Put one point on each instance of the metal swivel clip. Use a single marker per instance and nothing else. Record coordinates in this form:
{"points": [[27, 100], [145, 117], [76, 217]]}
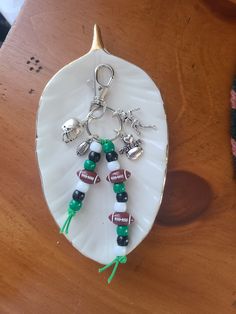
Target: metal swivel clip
{"points": [[103, 77]]}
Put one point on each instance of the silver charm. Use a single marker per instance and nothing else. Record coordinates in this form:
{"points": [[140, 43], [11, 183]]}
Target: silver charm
{"points": [[132, 147], [83, 147], [72, 128], [135, 123], [134, 153]]}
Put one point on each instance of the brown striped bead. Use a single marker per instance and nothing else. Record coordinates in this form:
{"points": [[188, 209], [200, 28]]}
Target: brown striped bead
{"points": [[118, 176], [121, 218], [89, 177]]}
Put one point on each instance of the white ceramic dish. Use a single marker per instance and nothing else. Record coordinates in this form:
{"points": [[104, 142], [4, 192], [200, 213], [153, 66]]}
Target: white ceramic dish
{"points": [[68, 95]]}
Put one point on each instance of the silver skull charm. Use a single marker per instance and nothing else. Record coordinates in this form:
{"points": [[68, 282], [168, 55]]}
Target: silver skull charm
{"points": [[132, 147], [72, 128]]}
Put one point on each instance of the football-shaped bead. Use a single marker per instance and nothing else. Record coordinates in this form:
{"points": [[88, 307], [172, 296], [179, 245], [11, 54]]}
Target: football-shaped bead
{"points": [[89, 177], [121, 218], [118, 176]]}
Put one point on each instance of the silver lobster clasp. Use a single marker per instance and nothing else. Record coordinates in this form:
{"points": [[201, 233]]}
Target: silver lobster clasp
{"points": [[104, 75]]}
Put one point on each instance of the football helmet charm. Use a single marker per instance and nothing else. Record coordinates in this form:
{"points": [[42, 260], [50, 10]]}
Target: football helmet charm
{"points": [[72, 128]]}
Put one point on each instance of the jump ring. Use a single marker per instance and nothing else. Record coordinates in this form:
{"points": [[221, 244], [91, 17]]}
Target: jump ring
{"points": [[97, 137]]}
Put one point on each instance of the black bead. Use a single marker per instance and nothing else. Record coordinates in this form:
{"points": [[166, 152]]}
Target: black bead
{"points": [[122, 197], [94, 156], [111, 156], [78, 196], [122, 241]]}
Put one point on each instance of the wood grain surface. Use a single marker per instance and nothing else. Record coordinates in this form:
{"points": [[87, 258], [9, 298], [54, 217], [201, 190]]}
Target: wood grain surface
{"points": [[187, 264]]}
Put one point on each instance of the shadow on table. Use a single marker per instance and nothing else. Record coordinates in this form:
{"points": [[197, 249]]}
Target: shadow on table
{"points": [[185, 198]]}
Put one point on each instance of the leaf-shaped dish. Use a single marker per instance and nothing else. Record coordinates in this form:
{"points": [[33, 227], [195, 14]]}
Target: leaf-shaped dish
{"points": [[68, 95]]}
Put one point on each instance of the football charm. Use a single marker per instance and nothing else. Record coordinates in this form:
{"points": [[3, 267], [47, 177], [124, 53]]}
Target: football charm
{"points": [[121, 218], [89, 177], [118, 176]]}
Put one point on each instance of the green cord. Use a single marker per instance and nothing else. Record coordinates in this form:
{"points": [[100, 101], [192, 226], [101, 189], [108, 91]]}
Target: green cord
{"points": [[116, 261], [66, 225]]}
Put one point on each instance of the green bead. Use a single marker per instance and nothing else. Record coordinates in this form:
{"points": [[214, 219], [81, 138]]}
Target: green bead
{"points": [[75, 205], [108, 146], [122, 230], [89, 165], [119, 187]]}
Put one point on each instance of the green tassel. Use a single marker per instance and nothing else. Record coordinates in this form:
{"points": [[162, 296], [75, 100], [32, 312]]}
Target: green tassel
{"points": [[116, 261], [66, 225]]}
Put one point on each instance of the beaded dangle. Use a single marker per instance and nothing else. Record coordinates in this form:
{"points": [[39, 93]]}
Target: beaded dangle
{"points": [[117, 177], [119, 217], [87, 176]]}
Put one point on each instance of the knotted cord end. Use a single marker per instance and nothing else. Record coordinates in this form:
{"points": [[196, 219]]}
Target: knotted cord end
{"points": [[66, 225], [118, 260]]}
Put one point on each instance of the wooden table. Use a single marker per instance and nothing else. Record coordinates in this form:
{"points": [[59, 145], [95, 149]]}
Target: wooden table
{"points": [[187, 264]]}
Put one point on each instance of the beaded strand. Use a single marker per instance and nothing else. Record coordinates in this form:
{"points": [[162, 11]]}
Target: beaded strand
{"points": [[119, 217], [87, 176]]}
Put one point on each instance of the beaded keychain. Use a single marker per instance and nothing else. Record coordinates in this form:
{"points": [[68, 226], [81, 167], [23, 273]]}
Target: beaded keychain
{"points": [[88, 176], [117, 176]]}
